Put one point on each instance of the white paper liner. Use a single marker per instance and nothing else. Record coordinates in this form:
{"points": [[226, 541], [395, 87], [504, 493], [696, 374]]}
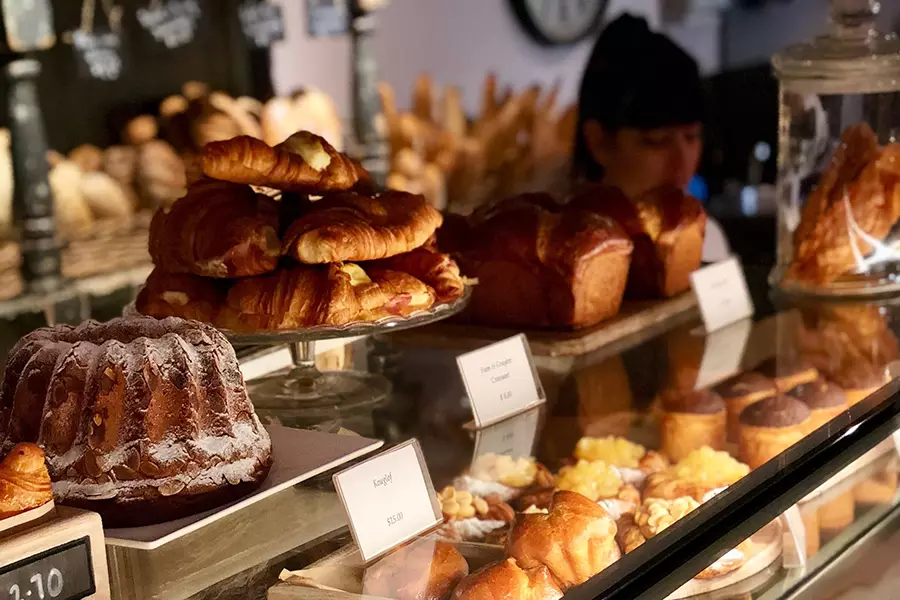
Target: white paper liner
{"points": [[482, 488]]}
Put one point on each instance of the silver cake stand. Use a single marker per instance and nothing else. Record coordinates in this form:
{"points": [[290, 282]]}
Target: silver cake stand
{"points": [[303, 392]]}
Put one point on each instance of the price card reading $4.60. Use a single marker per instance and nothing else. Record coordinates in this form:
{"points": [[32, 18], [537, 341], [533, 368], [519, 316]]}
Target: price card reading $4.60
{"points": [[389, 499], [500, 380]]}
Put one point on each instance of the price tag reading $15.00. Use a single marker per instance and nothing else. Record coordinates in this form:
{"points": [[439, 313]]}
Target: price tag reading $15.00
{"points": [[500, 380], [389, 499]]}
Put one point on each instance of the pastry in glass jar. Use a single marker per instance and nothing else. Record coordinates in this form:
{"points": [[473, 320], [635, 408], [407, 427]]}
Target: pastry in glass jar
{"points": [[741, 391], [788, 371], [691, 420], [771, 426], [826, 401], [471, 518], [700, 475], [505, 477]]}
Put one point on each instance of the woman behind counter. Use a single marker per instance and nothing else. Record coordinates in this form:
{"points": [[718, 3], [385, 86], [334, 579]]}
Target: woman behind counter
{"points": [[641, 114]]}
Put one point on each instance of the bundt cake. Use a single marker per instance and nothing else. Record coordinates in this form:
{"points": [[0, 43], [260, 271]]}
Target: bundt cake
{"points": [[141, 420]]}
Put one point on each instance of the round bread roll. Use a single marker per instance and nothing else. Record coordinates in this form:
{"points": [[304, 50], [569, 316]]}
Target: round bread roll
{"points": [[105, 196], [73, 214], [160, 175], [423, 570], [87, 157]]}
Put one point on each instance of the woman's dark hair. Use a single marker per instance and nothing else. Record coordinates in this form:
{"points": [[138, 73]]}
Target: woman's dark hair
{"points": [[635, 78]]}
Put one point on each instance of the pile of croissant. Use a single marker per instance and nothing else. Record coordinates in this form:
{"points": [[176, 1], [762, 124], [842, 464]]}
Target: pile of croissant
{"points": [[326, 251]]}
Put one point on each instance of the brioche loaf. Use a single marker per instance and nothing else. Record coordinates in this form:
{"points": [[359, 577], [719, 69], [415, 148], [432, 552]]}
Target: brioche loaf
{"points": [[539, 265], [667, 228]]}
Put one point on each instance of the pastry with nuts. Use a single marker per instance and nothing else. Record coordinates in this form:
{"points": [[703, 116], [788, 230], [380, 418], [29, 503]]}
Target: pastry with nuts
{"points": [[699, 475], [505, 477], [655, 515], [141, 420], [472, 518]]}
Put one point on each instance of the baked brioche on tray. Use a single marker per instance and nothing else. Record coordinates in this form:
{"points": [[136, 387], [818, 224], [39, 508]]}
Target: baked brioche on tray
{"points": [[328, 251]]}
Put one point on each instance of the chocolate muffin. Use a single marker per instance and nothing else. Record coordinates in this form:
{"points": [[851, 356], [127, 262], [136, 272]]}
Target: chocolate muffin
{"points": [[741, 391], [691, 420], [771, 426], [825, 400]]}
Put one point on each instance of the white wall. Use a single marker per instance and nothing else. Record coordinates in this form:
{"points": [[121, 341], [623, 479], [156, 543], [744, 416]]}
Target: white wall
{"points": [[456, 41]]}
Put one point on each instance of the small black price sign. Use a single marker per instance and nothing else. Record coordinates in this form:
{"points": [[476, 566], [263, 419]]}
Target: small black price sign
{"points": [[171, 23], [98, 53], [61, 573], [326, 18], [262, 23]]}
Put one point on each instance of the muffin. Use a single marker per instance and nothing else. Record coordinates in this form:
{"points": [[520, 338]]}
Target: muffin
{"points": [[741, 391], [859, 383], [880, 488], [788, 372], [691, 420], [825, 400], [836, 514], [771, 426]]}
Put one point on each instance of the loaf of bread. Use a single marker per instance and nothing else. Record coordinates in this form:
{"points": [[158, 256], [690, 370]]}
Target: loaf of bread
{"points": [[540, 265], [667, 228]]}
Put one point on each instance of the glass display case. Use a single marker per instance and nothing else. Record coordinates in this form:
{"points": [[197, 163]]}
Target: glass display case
{"points": [[839, 161], [828, 454]]}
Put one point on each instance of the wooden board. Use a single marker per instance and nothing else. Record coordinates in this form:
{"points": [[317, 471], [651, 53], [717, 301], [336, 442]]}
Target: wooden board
{"points": [[632, 318], [765, 550]]}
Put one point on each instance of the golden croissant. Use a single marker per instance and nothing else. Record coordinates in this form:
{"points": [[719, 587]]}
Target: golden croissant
{"points": [[435, 269], [304, 162], [24, 480], [352, 227], [217, 229]]}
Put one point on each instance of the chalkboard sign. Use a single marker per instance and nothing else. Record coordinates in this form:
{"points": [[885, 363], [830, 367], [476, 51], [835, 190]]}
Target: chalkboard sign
{"points": [[99, 53], [62, 573], [171, 23], [327, 17], [28, 25], [262, 23]]}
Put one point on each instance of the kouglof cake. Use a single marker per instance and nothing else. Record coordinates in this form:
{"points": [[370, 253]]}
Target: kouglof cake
{"points": [[141, 420]]}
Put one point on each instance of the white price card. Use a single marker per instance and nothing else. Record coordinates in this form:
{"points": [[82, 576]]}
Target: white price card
{"points": [[794, 554], [500, 380], [723, 352], [389, 499], [722, 294], [513, 437]]}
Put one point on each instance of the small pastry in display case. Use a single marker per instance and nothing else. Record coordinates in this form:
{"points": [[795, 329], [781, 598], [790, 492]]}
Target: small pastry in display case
{"points": [[194, 444], [691, 420], [771, 426], [880, 488], [825, 400], [24, 480], [422, 570], [621, 453], [506, 579], [599, 482], [741, 391], [667, 228], [860, 382], [810, 516], [700, 474], [788, 371], [505, 476], [472, 518], [575, 540], [837, 514]]}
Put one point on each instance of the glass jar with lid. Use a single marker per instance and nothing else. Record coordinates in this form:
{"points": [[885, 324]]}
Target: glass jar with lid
{"points": [[838, 189]]}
